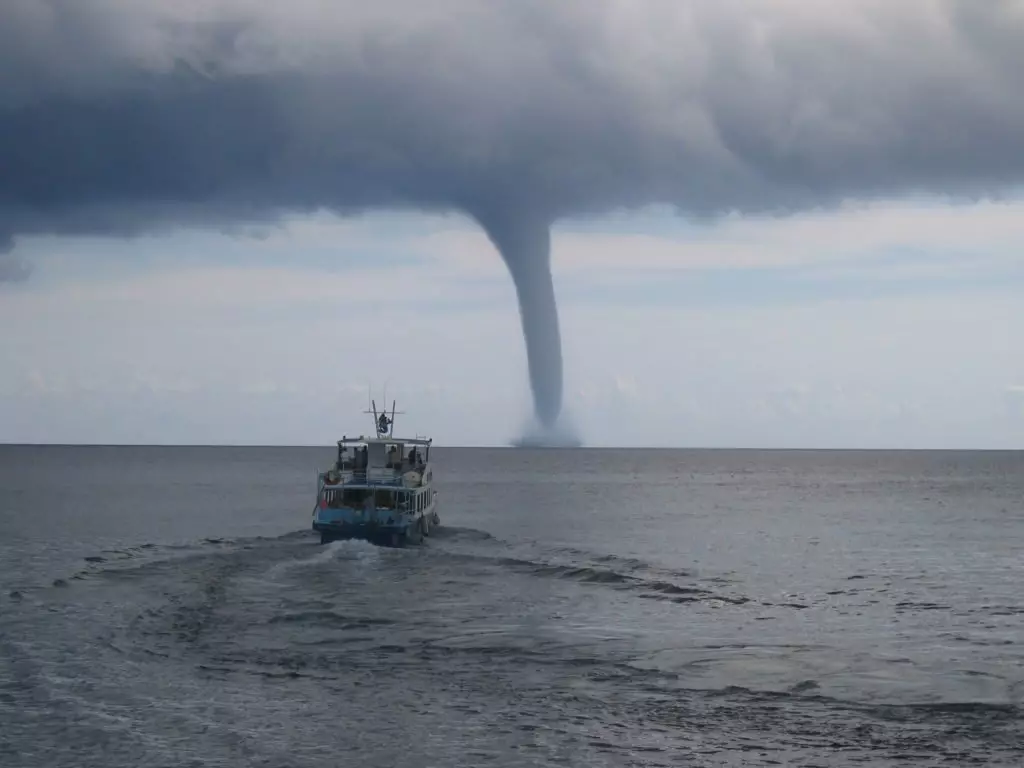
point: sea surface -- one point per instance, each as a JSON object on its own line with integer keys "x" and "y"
{"x": 172, "y": 607}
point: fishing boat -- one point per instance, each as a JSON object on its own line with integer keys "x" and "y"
{"x": 380, "y": 488}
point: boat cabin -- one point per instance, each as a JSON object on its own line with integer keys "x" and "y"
{"x": 379, "y": 474}
{"x": 361, "y": 455}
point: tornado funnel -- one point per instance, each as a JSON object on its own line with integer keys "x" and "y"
{"x": 524, "y": 242}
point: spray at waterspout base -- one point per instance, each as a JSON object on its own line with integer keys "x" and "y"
{"x": 537, "y": 435}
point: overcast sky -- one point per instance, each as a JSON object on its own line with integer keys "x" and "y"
{"x": 775, "y": 223}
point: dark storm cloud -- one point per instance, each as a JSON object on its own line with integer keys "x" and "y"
{"x": 119, "y": 116}
{"x": 114, "y": 114}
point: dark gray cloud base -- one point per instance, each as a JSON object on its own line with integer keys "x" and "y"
{"x": 120, "y": 116}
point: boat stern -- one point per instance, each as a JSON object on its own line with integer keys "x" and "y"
{"x": 341, "y": 524}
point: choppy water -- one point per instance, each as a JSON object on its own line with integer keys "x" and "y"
{"x": 171, "y": 607}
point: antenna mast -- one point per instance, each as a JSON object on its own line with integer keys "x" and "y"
{"x": 384, "y": 426}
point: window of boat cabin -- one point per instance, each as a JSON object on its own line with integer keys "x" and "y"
{"x": 354, "y": 497}
{"x": 348, "y": 456}
{"x": 416, "y": 455}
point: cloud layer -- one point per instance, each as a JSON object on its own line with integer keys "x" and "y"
{"x": 120, "y": 116}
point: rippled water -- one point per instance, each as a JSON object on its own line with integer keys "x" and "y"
{"x": 171, "y": 607}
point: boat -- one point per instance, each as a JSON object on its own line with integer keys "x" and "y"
{"x": 380, "y": 488}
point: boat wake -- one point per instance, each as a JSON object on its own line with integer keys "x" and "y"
{"x": 351, "y": 550}
{"x": 479, "y": 644}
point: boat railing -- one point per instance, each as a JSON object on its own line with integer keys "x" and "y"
{"x": 364, "y": 478}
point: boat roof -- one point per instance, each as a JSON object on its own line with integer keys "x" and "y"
{"x": 390, "y": 440}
